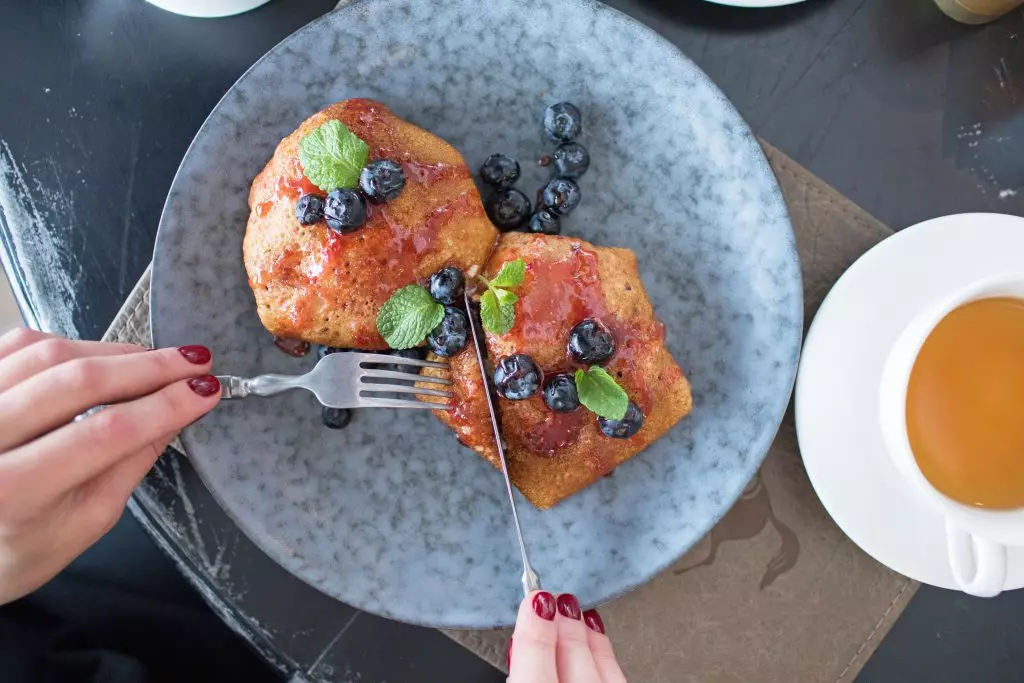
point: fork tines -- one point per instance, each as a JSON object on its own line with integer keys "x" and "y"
{"x": 379, "y": 386}
{"x": 381, "y": 359}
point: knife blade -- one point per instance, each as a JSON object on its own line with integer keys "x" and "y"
{"x": 531, "y": 582}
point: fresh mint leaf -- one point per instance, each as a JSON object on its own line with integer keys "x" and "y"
{"x": 507, "y": 309}
{"x": 497, "y": 305}
{"x": 599, "y": 392}
{"x": 505, "y": 297}
{"x": 491, "y": 314}
{"x": 408, "y": 317}
{"x": 332, "y": 156}
{"x": 510, "y": 275}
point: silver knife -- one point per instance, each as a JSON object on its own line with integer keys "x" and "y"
{"x": 531, "y": 582}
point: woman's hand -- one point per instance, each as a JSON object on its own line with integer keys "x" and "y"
{"x": 64, "y": 483}
{"x": 555, "y": 643}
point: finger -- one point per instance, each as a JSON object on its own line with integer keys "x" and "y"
{"x": 82, "y": 518}
{"x": 52, "y": 351}
{"x": 64, "y": 459}
{"x": 19, "y": 338}
{"x": 535, "y": 637}
{"x": 53, "y": 397}
{"x": 601, "y": 648}
{"x": 575, "y": 662}
{"x": 113, "y": 488}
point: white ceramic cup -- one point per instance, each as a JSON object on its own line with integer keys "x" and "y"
{"x": 977, "y": 538}
{"x": 207, "y": 8}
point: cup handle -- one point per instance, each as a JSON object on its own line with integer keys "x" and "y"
{"x": 979, "y": 565}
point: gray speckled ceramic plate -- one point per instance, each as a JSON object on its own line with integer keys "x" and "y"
{"x": 391, "y": 514}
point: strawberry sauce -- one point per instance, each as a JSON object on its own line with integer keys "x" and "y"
{"x": 324, "y": 266}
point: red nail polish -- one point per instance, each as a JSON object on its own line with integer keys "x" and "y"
{"x": 508, "y": 657}
{"x": 593, "y": 620}
{"x": 569, "y": 606}
{"x": 197, "y": 355}
{"x": 544, "y": 605}
{"x": 205, "y": 386}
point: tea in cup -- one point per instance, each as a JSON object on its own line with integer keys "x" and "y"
{"x": 952, "y": 415}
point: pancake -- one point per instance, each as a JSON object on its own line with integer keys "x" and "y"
{"x": 553, "y": 455}
{"x": 317, "y": 285}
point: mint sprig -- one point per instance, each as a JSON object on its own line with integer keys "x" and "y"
{"x": 408, "y": 317}
{"x": 332, "y": 156}
{"x": 497, "y": 305}
{"x": 599, "y": 392}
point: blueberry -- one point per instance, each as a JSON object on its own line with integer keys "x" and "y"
{"x": 560, "y": 394}
{"x": 322, "y": 351}
{"x": 447, "y": 285}
{"x": 499, "y": 170}
{"x": 310, "y": 209}
{"x": 591, "y": 343}
{"x": 508, "y": 208}
{"x": 382, "y": 181}
{"x": 336, "y": 418}
{"x": 417, "y": 353}
{"x": 571, "y": 160}
{"x": 544, "y": 221}
{"x": 561, "y": 195}
{"x": 629, "y": 425}
{"x": 345, "y": 210}
{"x": 451, "y": 334}
{"x": 517, "y": 377}
{"x": 563, "y": 122}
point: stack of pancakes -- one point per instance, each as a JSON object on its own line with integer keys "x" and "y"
{"x": 323, "y": 287}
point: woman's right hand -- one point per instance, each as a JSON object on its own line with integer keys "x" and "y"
{"x": 555, "y": 643}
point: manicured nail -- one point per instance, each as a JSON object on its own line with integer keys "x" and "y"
{"x": 197, "y": 355}
{"x": 508, "y": 657}
{"x": 593, "y": 620}
{"x": 544, "y": 605}
{"x": 569, "y": 606}
{"x": 205, "y": 386}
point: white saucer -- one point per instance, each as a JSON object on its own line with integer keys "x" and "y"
{"x": 838, "y": 383}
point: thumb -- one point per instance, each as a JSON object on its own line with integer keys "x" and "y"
{"x": 532, "y": 649}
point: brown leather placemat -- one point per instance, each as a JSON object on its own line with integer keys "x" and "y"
{"x": 775, "y": 593}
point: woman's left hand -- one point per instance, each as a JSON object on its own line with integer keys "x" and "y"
{"x": 65, "y": 483}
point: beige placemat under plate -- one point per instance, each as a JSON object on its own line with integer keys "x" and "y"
{"x": 775, "y": 593}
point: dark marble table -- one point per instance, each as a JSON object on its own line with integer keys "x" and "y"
{"x": 908, "y": 114}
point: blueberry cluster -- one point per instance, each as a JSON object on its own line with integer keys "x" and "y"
{"x": 510, "y": 209}
{"x": 591, "y": 343}
{"x": 517, "y": 378}
{"x": 452, "y": 334}
{"x": 344, "y": 209}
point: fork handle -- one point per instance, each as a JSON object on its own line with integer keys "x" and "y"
{"x": 232, "y": 386}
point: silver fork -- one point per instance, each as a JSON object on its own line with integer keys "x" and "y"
{"x": 343, "y": 380}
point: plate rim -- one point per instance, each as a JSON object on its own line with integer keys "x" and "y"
{"x": 758, "y": 447}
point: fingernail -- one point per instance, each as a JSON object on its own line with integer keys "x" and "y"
{"x": 508, "y": 657}
{"x": 569, "y": 606}
{"x": 544, "y": 605}
{"x": 197, "y": 355}
{"x": 205, "y": 386}
{"x": 593, "y": 620}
